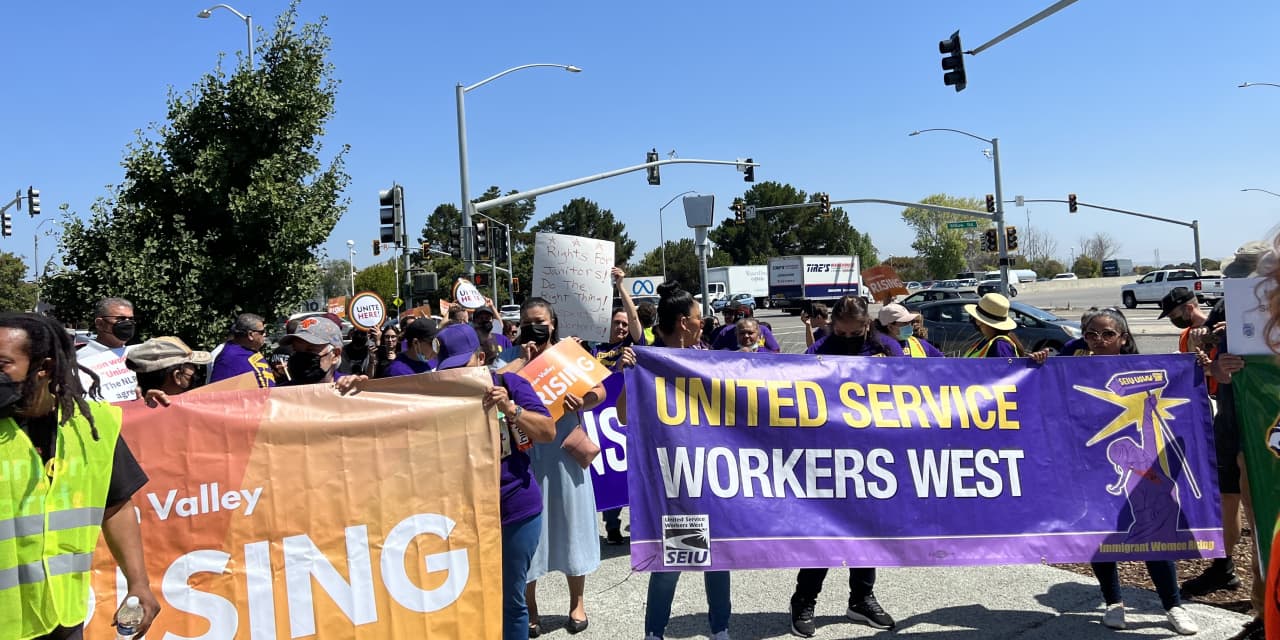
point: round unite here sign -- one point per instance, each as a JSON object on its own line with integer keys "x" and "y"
{"x": 367, "y": 310}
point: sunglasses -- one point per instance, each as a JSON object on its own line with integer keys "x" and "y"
{"x": 1106, "y": 334}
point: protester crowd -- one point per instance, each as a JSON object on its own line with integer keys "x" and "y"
{"x": 548, "y": 507}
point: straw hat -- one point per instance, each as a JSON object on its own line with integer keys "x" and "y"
{"x": 993, "y": 311}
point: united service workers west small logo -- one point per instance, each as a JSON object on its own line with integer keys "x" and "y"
{"x": 686, "y": 540}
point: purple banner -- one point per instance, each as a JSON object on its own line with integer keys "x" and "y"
{"x": 759, "y": 461}
{"x": 609, "y": 469}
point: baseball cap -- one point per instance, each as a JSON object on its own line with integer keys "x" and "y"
{"x": 420, "y": 329}
{"x": 162, "y": 353}
{"x": 1174, "y": 299}
{"x": 316, "y": 330}
{"x": 455, "y": 344}
{"x": 891, "y": 313}
{"x": 1245, "y": 260}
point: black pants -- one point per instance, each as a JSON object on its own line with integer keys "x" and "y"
{"x": 809, "y": 583}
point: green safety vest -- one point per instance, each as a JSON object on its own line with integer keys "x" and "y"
{"x": 980, "y": 351}
{"x": 49, "y": 528}
{"x": 915, "y": 349}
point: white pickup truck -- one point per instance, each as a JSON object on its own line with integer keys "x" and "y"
{"x": 1150, "y": 288}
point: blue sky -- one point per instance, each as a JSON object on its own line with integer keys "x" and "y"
{"x": 1128, "y": 104}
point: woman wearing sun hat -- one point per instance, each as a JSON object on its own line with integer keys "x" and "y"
{"x": 991, "y": 316}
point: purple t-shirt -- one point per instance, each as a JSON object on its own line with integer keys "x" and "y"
{"x": 521, "y": 498}
{"x": 1002, "y": 349}
{"x": 235, "y": 360}
{"x": 407, "y": 366}
{"x": 608, "y": 354}
{"x": 888, "y": 346}
{"x": 727, "y": 338}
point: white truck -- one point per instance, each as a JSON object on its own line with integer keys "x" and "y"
{"x": 798, "y": 281}
{"x": 750, "y": 279}
{"x": 1152, "y": 287}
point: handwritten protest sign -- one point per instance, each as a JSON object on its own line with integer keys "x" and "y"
{"x": 884, "y": 283}
{"x": 118, "y": 382}
{"x": 563, "y": 369}
{"x": 572, "y": 273}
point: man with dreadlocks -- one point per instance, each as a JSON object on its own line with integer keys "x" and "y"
{"x": 67, "y": 475}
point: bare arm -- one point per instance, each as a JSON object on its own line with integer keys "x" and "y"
{"x": 124, "y": 538}
{"x": 628, "y": 305}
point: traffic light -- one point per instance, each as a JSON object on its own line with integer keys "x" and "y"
{"x": 989, "y": 241}
{"x": 455, "y": 242}
{"x": 991, "y": 203}
{"x": 749, "y": 172}
{"x": 1011, "y": 237}
{"x": 515, "y": 284}
{"x": 6, "y": 225}
{"x": 377, "y": 247}
{"x": 391, "y": 214}
{"x": 482, "y": 242}
{"x": 501, "y": 252}
{"x": 739, "y": 212}
{"x": 654, "y": 178}
{"x": 953, "y": 63}
{"x": 33, "y": 201}
{"x": 1071, "y": 203}
{"x": 481, "y": 280}
{"x": 824, "y": 201}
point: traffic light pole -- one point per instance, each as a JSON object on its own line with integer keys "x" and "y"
{"x": 1194, "y": 225}
{"x": 493, "y": 263}
{"x": 1001, "y": 239}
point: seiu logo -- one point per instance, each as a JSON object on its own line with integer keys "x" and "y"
{"x": 693, "y": 558}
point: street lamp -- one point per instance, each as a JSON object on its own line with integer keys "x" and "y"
{"x": 1255, "y": 84}
{"x": 999, "y": 215}
{"x": 463, "y": 178}
{"x": 1264, "y": 191}
{"x": 661, "y": 237}
{"x": 351, "y": 265}
{"x": 248, "y": 23}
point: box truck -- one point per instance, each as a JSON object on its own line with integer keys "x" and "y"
{"x": 798, "y": 281}
{"x": 751, "y": 279}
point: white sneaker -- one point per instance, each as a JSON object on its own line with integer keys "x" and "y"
{"x": 1182, "y": 622}
{"x": 1114, "y": 617}
{"x": 720, "y": 635}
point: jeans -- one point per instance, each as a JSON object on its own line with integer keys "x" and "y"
{"x": 662, "y": 590}
{"x": 809, "y": 583}
{"x": 1164, "y": 573}
{"x": 612, "y": 520}
{"x": 519, "y": 539}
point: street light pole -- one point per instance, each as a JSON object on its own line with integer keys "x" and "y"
{"x": 464, "y": 179}
{"x": 661, "y": 236}
{"x": 1001, "y": 240}
{"x": 248, "y": 23}
{"x": 351, "y": 265}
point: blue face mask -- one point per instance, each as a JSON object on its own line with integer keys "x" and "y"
{"x": 906, "y": 332}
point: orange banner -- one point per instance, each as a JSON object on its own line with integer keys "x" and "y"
{"x": 297, "y": 512}
{"x": 563, "y": 369}
{"x": 883, "y": 283}
{"x": 338, "y": 306}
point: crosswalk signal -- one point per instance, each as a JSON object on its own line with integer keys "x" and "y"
{"x": 481, "y": 280}
{"x": 1011, "y": 237}
{"x": 991, "y": 203}
{"x": 482, "y": 241}
{"x": 739, "y": 212}
{"x": 989, "y": 241}
{"x": 654, "y": 178}
{"x": 515, "y": 284}
{"x": 749, "y": 172}
{"x": 33, "y": 201}
{"x": 6, "y": 225}
{"x": 824, "y": 200}
{"x": 953, "y": 63}
{"x": 1071, "y": 203}
{"x": 377, "y": 247}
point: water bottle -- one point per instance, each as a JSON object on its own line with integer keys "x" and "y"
{"x": 128, "y": 619}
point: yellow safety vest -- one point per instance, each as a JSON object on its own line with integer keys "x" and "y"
{"x": 49, "y": 528}
{"x": 980, "y": 351}
{"x": 914, "y": 348}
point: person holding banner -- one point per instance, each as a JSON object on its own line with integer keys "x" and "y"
{"x": 896, "y": 322}
{"x": 316, "y": 342}
{"x": 815, "y": 323}
{"x": 53, "y": 520}
{"x": 727, "y": 336}
{"x": 243, "y": 352}
{"x": 851, "y": 335}
{"x": 569, "y": 541}
{"x": 419, "y": 355}
{"x": 625, "y": 330}
{"x": 991, "y": 317}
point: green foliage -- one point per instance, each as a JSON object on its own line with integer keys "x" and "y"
{"x": 1046, "y": 267}
{"x": 582, "y": 217}
{"x": 946, "y": 252}
{"x": 438, "y": 231}
{"x": 908, "y": 269}
{"x": 1211, "y": 264}
{"x": 682, "y": 264}
{"x": 335, "y": 278}
{"x": 789, "y": 232}
{"x": 1086, "y": 267}
{"x": 379, "y": 278}
{"x": 16, "y": 293}
{"x": 221, "y": 210}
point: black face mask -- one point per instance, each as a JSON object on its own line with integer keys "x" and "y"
{"x": 1181, "y": 323}
{"x": 535, "y": 333}
{"x": 124, "y": 330}
{"x": 304, "y": 368}
{"x": 847, "y": 345}
{"x": 484, "y": 327}
{"x": 10, "y": 396}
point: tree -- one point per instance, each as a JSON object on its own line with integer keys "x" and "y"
{"x": 335, "y": 278}
{"x": 946, "y": 251}
{"x": 1086, "y": 267}
{"x": 16, "y": 293}
{"x": 1047, "y": 267}
{"x": 379, "y": 278}
{"x": 222, "y": 208}
{"x": 908, "y": 268}
{"x": 791, "y": 231}
{"x": 682, "y": 264}
{"x": 1100, "y": 246}
{"x": 438, "y": 231}
{"x": 582, "y": 217}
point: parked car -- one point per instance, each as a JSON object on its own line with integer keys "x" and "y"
{"x": 993, "y": 286}
{"x": 1153, "y": 286}
{"x": 953, "y": 332}
{"x": 510, "y": 312}
{"x": 927, "y": 284}
{"x": 734, "y": 300}
{"x": 1065, "y": 276}
{"x": 913, "y": 286}
{"x": 933, "y": 295}
{"x": 967, "y": 283}
{"x": 947, "y": 284}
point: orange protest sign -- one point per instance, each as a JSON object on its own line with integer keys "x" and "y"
{"x": 563, "y": 369}
{"x": 883, "y": 283}
{"x": 296, "y": 512}
{"x": 338, "y": 306}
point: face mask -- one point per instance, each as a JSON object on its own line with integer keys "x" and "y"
{"x": 124, "y": 330}
{"x": 1181, "y": 323}
{"x": 535, "y": 333}
{"x": 304, "y": 368}
{"x": 10, "y": 396}
{"x": 421, "y": 358}
{"x": 847, "y": 345}
{"x": 484, "y": 327}
{"x": 906, "y": 332}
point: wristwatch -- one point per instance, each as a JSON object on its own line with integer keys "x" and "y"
{"x": 515, "y": 416}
